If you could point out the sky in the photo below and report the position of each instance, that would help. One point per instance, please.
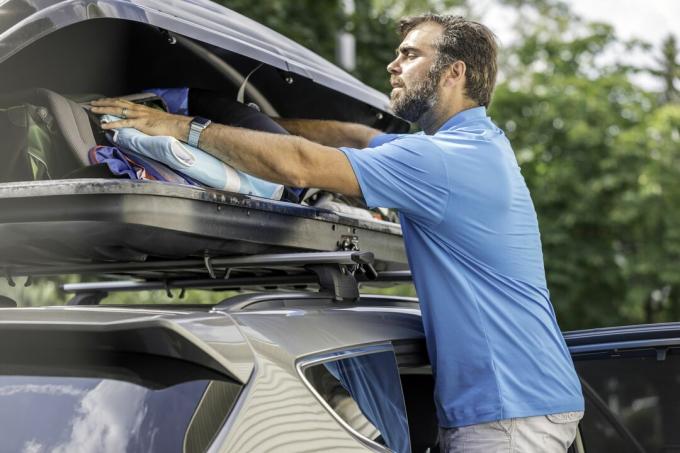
(649, 20)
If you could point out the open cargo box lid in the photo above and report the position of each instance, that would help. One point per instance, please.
(94, 220)
(23, 22)
(116, 47)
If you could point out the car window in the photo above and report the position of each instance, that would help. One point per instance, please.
(364, 391)
(632, 402)
(67, 414)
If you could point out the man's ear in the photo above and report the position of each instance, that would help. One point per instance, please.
(455, 74)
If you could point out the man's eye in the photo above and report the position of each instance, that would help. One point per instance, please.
(411, 56)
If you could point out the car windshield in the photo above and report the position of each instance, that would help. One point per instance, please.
(103, 415)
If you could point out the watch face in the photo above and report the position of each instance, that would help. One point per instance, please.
(201, 121)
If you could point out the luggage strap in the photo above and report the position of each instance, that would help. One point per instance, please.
(240, 96)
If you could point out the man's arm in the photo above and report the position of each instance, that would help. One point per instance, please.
(290, 160)
(329, 132)
(286, 159)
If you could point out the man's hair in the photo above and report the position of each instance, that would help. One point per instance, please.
(465, 40)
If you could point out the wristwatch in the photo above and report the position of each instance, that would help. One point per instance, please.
(198, 124)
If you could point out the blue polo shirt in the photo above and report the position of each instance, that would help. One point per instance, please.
(474, 250)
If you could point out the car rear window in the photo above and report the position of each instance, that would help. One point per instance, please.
(68, 414)
(362, 387)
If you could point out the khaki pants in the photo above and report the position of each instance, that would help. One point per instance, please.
(543, 434)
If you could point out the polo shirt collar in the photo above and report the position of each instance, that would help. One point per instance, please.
(461, 117)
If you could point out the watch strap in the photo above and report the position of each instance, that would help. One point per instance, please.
(196, 127)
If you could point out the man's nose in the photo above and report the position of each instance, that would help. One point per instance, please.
(393, 67)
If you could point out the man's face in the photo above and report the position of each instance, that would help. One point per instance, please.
(414, 86)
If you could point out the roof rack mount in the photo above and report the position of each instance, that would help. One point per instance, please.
(337, 273)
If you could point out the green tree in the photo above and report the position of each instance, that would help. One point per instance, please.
(668, 69)
(314, 24)
(645, 214)
(601, 159)
(598, 153)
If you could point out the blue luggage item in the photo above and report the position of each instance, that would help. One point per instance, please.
(135, 167)
(115, 160)
(176, 99)
(192, 162)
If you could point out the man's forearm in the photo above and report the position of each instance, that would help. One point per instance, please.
(285, 159)
(329, 132)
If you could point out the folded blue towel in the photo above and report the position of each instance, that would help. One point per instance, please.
(193, 162)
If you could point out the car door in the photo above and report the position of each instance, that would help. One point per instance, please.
(631, 384)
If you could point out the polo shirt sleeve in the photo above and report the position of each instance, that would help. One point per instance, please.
(406, 173)
(382, 139)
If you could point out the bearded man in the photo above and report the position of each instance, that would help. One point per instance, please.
(504, 379)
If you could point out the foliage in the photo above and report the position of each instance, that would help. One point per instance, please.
(314, 24)
(598, 152)
(603, 188)
(647, 248)
(668, 69)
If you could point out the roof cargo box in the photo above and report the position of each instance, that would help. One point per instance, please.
(114, 47)
(80, 221)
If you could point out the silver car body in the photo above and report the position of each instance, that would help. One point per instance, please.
(264, 349)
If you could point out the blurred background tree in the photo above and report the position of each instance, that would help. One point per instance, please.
(668, 69)
(315, 25)
(564, 110)
(600, 154)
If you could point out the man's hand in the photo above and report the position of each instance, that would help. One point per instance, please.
(145, 119)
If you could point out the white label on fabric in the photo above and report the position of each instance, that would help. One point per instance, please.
(182, 154)
(232, 179)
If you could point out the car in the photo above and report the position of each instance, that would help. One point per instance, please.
(278, 370)
(297, 356)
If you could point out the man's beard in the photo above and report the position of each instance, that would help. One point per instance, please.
(412, 103)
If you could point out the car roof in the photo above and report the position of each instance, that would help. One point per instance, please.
(209, 340)
(215, 336)
(23, 22)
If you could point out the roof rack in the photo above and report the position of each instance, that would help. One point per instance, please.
(208, 264)
(336, 273)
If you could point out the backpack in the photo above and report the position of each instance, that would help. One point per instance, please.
(28, 140)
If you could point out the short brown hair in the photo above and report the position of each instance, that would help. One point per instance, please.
(465, 40)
